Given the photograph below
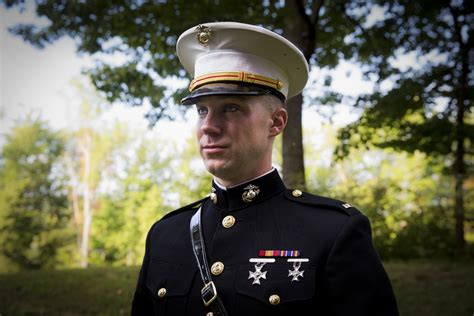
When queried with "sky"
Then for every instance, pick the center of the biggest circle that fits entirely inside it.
(39, 82)
(34, 80)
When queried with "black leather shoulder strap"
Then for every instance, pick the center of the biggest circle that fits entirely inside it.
(209, 291)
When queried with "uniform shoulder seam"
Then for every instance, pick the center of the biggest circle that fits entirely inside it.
(188, 207)
(310, 199)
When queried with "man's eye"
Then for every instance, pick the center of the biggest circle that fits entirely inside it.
(231, 108)
(201, 110)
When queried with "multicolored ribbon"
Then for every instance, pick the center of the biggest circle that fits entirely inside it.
(279, 253)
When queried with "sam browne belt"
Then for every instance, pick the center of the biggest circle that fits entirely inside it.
(209, 291)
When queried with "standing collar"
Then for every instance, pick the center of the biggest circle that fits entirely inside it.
(236, 185)
(247, 193)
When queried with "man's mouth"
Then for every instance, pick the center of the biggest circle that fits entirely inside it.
(213, 148)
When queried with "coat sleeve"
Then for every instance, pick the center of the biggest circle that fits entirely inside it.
(142, 303)
(357, 282)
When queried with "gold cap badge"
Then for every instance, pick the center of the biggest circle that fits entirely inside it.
(204, 35)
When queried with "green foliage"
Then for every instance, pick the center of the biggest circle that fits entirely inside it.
(423, 107)
(151, 176)
(192, 182)
(420, 108)
(33, 202)
(426, 235)
(405, 196)
(125, 214)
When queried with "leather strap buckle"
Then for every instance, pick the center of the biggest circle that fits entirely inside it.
(209, 293)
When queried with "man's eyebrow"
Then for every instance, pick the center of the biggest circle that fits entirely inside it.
(200, 103)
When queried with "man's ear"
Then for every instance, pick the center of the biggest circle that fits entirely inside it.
(279, 120)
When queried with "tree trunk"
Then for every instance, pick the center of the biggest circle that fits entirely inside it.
(292, 146)
(460, 136)
(459, 196)
(74, 198)
(459, 164)
(299, 28)
(87, 211)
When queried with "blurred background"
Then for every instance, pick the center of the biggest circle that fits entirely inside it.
(95, 146)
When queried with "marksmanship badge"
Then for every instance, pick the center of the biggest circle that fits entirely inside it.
(296, 272)
(258, 273)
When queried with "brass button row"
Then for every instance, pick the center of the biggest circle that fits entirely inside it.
(217, 269)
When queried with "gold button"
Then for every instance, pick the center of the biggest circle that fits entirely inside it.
(162, 292)
(228, 221)
(297, 193)
(274, 299)
(213, 197)
(217, 268)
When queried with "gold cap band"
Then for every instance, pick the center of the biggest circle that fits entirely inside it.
(235, 76)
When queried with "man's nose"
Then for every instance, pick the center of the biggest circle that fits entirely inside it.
(211, 124)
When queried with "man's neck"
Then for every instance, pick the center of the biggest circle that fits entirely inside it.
(230, 185)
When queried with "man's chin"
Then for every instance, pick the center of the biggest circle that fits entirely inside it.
(217, 168)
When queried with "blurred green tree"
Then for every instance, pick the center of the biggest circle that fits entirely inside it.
(190, 179)
(151, 176)
(34, 215)
(405, 196)
(426, 106)
(88, 156)
(125, 213)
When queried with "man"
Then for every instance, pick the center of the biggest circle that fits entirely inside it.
(254, 247)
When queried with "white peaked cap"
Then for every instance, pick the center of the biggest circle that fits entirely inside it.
(236, 55)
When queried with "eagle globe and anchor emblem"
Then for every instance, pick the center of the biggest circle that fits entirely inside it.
(251, 191)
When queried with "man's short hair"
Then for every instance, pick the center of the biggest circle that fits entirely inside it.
(273, 102)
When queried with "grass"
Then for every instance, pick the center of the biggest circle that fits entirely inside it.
(433, 288)
(95, 291)
(422, 288)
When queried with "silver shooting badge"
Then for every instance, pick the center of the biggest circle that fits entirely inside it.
(258, 273)
(296, 272)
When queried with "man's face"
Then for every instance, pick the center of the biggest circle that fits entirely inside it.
(235, 136)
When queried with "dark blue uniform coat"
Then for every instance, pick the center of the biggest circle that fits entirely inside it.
(343, 275)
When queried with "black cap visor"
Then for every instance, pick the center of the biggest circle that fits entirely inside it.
(229, 89)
